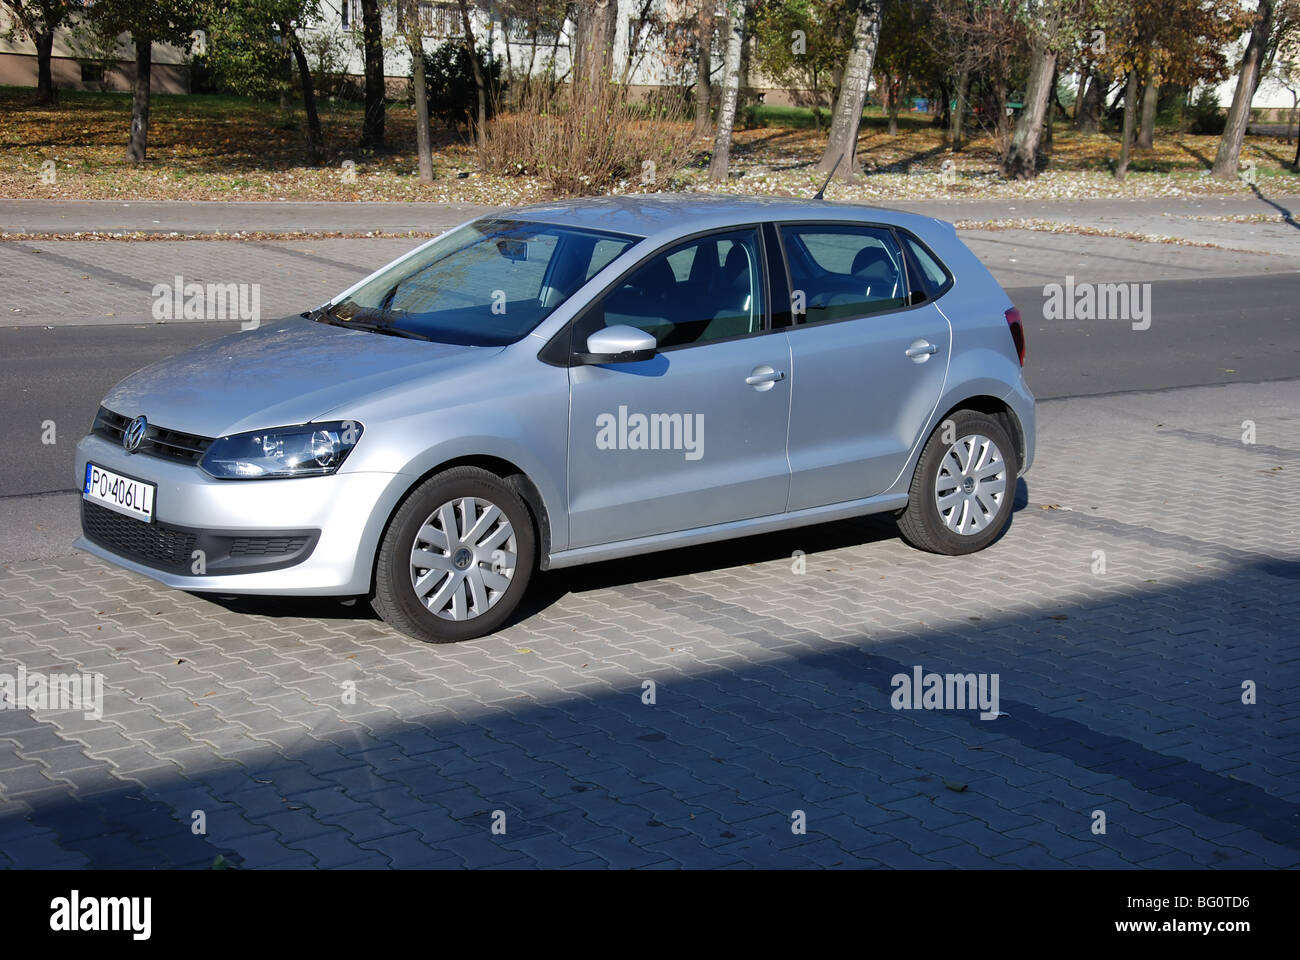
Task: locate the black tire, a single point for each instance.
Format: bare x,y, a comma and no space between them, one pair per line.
395,598
922,524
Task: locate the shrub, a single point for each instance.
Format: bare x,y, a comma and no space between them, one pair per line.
585,138
1205,116
449,79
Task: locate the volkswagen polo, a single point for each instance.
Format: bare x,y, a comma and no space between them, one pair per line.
567,383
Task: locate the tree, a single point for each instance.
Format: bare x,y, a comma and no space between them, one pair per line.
840,156
147,22
721,159
906,26
480,84
415,44
980,39
801,44
1053,26
1087,114
704,30
254,48
372,46
1178,42
36,20
1228,156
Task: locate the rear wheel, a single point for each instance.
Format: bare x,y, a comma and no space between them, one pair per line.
456,558
964,486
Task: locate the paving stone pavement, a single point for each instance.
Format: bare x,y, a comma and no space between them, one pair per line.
1149,573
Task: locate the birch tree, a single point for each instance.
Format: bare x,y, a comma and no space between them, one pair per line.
730,90
846,116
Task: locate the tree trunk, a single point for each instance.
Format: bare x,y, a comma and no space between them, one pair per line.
943,115
730,90
895,88
423,142
593,47
1130,121
842,144
1147,131
480,84
135,148
704,68
44,76
315,139
1021,162
1228,156
1049,121
1087,118
372,41
958,119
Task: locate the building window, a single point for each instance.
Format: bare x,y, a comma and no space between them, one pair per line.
441,20
521,30
92,73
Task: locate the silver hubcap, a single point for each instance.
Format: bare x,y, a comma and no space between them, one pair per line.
463,558
971,484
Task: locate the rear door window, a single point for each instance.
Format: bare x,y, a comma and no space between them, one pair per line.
839,271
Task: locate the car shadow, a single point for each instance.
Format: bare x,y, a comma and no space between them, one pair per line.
549,587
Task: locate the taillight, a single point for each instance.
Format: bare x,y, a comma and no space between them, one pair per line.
1017,332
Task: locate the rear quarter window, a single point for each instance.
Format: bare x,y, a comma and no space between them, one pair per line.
933,275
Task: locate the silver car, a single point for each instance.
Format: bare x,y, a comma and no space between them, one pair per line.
567,383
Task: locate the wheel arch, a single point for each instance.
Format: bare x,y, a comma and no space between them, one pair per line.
1000,411
511,474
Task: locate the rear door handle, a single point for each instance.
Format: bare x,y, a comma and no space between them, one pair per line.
764,377
921,349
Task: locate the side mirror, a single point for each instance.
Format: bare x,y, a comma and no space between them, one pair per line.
619,344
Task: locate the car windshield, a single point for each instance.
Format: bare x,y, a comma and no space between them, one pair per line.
488,283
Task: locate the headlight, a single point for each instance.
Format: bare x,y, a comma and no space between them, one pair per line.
310,450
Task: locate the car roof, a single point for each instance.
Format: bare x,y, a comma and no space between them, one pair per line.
663,216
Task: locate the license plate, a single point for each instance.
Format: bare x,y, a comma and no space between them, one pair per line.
131,497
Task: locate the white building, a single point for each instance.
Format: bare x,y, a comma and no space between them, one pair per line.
519,44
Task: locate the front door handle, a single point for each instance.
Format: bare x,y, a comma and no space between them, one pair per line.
921,350
764,377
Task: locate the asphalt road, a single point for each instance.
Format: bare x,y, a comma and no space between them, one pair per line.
1203,331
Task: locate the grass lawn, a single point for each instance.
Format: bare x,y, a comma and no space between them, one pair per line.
232,148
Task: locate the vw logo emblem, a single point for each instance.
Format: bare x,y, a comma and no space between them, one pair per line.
133,434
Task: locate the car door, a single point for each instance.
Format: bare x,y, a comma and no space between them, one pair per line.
696,435
869,364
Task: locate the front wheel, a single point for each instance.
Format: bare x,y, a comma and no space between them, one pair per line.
456,558
964,486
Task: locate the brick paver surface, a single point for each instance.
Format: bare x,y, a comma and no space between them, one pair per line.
1151,572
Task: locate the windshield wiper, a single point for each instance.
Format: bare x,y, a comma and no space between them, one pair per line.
389,331
322,315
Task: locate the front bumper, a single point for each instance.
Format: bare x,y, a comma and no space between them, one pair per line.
304,536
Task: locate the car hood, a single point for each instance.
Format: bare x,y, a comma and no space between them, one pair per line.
285,372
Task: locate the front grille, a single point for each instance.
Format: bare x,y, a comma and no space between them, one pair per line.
266,546
156,544
158,441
